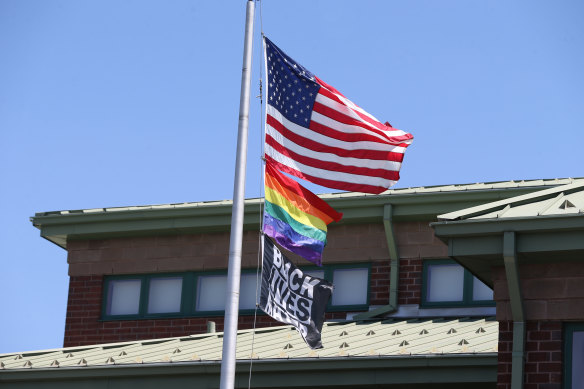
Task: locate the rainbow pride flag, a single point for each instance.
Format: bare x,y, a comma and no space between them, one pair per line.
295,217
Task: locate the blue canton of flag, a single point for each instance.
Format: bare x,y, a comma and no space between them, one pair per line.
291,88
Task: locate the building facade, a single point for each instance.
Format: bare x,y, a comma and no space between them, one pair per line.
409,258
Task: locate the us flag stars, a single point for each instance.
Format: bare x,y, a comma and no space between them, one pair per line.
291,89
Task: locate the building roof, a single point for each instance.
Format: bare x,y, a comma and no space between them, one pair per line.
419,203
376,339
562,200
547,225
513,184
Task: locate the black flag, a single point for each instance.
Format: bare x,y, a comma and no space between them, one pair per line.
292,297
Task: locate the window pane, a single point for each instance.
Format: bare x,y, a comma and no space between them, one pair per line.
165,295
578,359
247,291
211,291
350,286
123,297
445,282
480,291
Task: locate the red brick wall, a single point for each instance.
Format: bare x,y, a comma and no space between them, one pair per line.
553,293
543,355
416,241
410,281
379,286
83,327
89,261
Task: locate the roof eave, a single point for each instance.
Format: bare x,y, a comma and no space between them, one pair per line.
341,371
58,227
477,244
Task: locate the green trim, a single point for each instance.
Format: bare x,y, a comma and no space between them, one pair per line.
393,268
532,224
190,291
209,217
194,312
329,275
307,372
512,275
467,288
144,296
105,296
188,298
569,329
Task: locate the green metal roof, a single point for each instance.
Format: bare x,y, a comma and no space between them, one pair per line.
562,200
389,338
420,203
541,183
548,225
425,354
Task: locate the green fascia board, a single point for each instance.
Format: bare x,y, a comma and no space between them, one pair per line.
58,227
537,234
470,227
563,245
308,372
477,244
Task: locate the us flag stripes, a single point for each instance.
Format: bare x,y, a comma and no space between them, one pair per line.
315,133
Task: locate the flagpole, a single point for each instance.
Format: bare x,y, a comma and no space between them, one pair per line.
235,242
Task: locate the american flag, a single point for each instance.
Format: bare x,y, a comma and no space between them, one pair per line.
315,133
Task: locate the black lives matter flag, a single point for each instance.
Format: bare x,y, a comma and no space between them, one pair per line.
292,297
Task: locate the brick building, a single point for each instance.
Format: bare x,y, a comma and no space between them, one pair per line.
152,272
530,249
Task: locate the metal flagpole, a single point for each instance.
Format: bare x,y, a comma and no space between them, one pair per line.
235,242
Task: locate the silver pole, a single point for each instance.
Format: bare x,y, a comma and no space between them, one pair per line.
235,242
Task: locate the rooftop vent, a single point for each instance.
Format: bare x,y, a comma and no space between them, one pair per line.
567,204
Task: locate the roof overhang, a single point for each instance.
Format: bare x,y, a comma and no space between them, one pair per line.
298,373
408,205
475,235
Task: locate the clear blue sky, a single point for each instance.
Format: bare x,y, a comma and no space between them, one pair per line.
114,103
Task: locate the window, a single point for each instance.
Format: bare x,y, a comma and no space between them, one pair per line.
211,293
203,293
123,297
351,285
446,283
173,295
143,296
165,294
247,291
212,289
573,355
